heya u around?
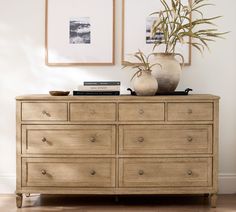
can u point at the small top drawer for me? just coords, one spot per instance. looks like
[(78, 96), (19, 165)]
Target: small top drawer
[(44, 111), (141, 112), (190, 111), (92, 112)]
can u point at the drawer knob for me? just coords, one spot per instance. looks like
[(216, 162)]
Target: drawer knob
[(44, 112), (141, 172), (44, 172), (92, 172), (190, 111), (190, 139), (190, 172), (141, 111), (92, 139), (141, 139), (92, 112), (44, 139)]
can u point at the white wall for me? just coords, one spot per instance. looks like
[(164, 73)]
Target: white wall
[(23, 71)]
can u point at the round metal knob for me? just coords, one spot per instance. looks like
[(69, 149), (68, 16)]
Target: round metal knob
[(92, 139), (190, 139), (190, 172), (190, 111), (141, 172), (92, 172), (141, 139), (92, 112), (44, 112), (44, 172), (141, 111), (44, 139)]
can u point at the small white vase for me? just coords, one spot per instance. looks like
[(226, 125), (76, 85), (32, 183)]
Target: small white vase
[(145, 84), (168, 73)]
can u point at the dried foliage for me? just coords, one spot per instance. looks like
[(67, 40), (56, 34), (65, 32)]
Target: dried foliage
[(175, 24), (143, 65)]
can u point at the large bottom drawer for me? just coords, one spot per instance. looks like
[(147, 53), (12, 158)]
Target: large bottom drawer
[(165, 172), (74, 172)]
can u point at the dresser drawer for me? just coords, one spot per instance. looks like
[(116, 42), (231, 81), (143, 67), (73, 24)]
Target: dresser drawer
[(44, 111), (141, 112), (164, 172), (68, 139), (165, 139), (92, 112), (73, 172), (190, 111)]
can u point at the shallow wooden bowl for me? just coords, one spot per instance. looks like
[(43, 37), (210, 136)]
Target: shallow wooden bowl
[(59, 93)]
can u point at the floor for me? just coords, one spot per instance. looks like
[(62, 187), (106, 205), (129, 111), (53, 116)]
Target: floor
[(51, 203)]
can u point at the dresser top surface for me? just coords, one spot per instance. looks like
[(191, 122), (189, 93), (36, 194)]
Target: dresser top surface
[(114, 98)]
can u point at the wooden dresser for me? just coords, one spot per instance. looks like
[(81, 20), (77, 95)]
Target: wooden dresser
[(117, 145)]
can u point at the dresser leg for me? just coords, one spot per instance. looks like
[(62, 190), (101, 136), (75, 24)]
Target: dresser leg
[(19, 199), (213, 200)]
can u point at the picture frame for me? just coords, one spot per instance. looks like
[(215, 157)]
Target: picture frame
[(75, 33), (134, 36)]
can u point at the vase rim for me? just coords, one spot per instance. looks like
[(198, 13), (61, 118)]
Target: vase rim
[(164, 54), (147, 71)]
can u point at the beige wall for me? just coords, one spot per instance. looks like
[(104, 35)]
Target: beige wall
[(23, 71)]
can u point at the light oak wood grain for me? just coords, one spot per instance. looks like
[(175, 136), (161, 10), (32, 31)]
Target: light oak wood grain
[(192, 97), (74, 172), (190, 111), (92, 112), (32, 111), (141, 112), (68, 139), (165, 139), (117, 145), (169, 172)]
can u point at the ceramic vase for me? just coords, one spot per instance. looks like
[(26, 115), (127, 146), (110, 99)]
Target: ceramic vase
[(168, 73), (145, 84)]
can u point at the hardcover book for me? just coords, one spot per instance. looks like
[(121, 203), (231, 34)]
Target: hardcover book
[(99, 88), (96, 93), (108, 83)]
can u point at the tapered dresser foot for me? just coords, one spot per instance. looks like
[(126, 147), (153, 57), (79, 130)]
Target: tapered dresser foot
[(213, 200), (19, 199)]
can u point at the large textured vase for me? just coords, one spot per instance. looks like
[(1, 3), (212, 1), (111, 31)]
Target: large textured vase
[(145, 84), (168, 73)]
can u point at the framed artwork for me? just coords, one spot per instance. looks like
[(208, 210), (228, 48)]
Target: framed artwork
[(137, 23), (80, 32)]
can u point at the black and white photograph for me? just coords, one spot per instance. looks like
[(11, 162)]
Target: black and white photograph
[(80, 31), (151, 39)]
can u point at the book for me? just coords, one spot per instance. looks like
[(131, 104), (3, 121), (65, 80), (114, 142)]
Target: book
[(99, 88), (96, 93), (107, 83)]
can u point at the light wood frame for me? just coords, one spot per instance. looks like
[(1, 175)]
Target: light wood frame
[(123, 62), (79, 63)]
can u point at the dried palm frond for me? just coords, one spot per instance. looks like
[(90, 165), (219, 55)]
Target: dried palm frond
[(143, 65), (175, 24)]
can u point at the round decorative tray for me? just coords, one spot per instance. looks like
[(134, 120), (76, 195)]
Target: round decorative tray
[(59, 93)]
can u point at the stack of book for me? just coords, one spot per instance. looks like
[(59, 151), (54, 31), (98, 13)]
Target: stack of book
[(111, 88)]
